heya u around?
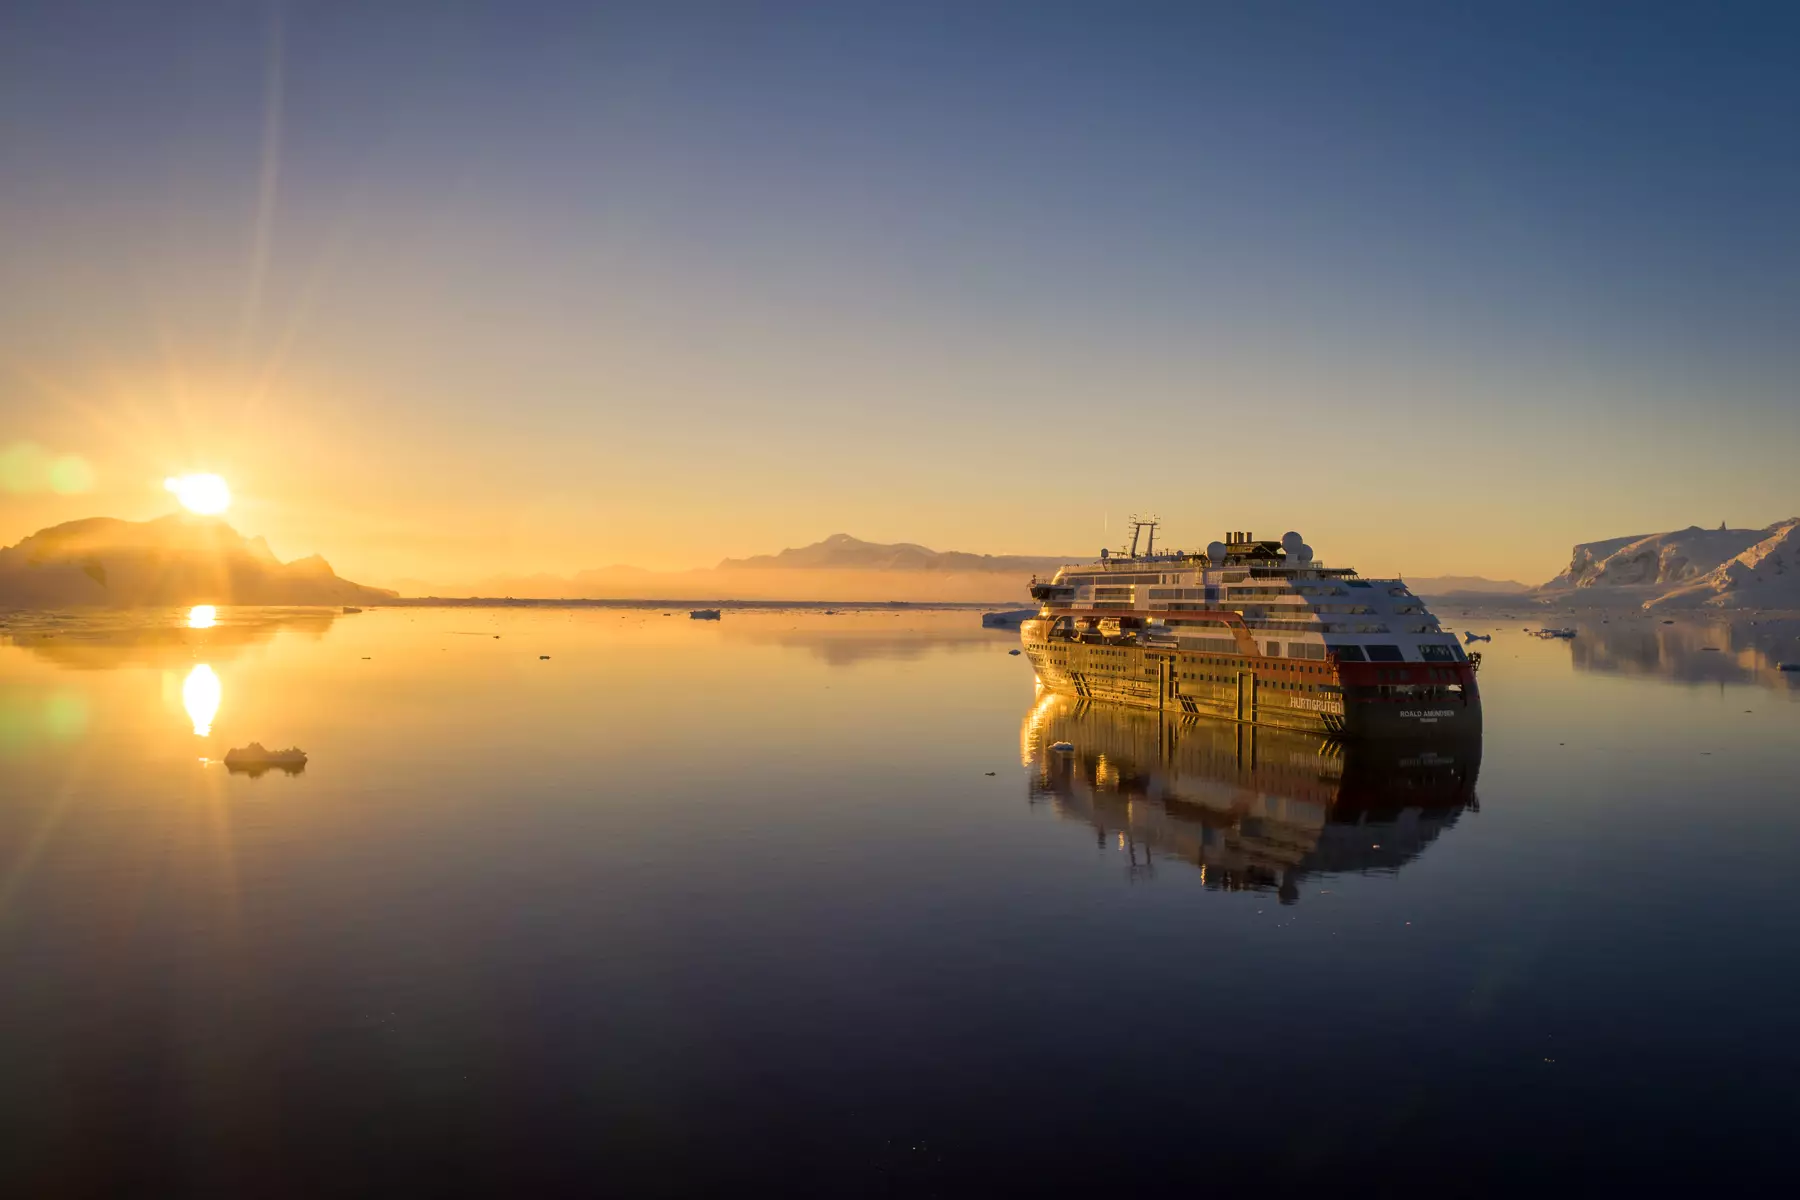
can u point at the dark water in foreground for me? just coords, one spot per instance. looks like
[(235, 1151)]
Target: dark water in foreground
[(691, 906)]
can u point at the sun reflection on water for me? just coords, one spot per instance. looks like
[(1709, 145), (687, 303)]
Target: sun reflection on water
[(200, 696), (202, 616)]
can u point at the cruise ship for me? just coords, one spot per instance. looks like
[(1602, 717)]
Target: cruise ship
[(1252, 631)]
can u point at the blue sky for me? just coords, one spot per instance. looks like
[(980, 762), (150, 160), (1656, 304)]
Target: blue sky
[(450, 288)]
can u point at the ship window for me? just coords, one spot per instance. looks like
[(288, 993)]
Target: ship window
[(1357, 582), (1385, 654), (1346, 653), (1437, 653)]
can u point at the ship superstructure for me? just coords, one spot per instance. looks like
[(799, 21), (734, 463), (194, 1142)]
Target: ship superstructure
[(1252, 631)]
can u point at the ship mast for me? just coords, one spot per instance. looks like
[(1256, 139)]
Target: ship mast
[(1138, 526)]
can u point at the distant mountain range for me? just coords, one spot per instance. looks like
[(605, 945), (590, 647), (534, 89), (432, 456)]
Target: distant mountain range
[(840, 567), (172, 560), (846, 567), (1459, 585), (1722, 567), (841, 552), (1692, 567), (202, 560)]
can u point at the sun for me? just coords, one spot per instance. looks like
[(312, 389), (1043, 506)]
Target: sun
[(205, 494)]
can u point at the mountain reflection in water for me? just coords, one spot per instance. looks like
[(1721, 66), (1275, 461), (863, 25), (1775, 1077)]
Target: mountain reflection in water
[(854, 636), (1254, 809), (104, 639), (1690, 651)]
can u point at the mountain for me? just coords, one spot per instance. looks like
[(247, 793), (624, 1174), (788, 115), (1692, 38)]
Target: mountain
[(1452, 585), (171, 560), (841, 552), (839, 568), (1719, 568)]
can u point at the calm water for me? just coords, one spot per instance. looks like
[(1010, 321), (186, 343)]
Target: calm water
[(806, 900)]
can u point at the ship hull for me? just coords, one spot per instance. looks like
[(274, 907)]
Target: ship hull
[(1250, 689)]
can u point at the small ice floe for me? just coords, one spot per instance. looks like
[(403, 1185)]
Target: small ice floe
[(1007, 619), (350, 608), (703, 614), (1476, 637), (1063, 747), (543, 658), (255, 759), (1012, 651)]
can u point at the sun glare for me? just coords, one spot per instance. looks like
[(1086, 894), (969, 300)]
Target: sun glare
[(200, 695), (205, 494), (202, 616)]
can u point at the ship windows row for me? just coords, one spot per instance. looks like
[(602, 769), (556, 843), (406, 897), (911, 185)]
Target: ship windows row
[(1441, 653), (1276, 685), (1367, 653), (1108, 578)]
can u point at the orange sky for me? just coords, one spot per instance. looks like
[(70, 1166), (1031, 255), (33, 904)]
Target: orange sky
[(324, 463)]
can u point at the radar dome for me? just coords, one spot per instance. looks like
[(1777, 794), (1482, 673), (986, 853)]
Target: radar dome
[(1291, 541), (1215, 551), (1305, 554)]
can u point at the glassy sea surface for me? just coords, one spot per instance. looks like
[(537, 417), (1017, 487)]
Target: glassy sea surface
[(619, 901)]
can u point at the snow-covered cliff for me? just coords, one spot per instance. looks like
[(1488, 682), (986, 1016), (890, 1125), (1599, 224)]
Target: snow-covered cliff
[(1727, 568), (1766, 575)]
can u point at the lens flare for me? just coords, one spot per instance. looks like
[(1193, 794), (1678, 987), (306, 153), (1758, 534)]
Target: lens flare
[(204, 494), (71, 475), (200, 696)]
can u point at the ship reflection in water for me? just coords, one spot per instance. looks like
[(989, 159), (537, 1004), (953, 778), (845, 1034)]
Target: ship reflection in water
[(1254, 808)]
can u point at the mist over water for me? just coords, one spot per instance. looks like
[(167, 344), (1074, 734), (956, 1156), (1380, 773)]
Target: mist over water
[(750, 886)]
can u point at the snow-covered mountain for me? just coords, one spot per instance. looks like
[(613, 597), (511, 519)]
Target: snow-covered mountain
[(171, 560), (1721, 568), (1767, 575)]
